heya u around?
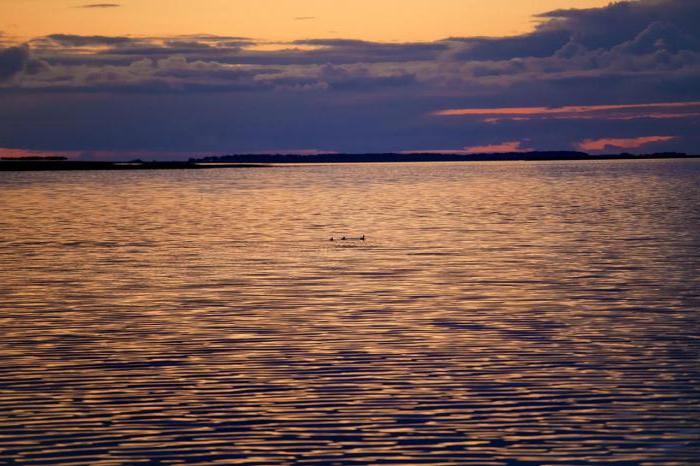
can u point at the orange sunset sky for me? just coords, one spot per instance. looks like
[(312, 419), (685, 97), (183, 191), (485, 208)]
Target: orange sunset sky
[(385, 20)]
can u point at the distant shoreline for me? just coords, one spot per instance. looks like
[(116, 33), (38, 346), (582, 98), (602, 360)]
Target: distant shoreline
[(432, 157), (79, 165), (269, 160)]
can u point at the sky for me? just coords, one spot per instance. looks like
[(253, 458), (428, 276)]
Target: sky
[(165, 79), (280, 20)]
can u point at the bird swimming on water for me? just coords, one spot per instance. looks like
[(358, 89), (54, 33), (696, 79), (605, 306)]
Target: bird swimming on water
[(345, 238)]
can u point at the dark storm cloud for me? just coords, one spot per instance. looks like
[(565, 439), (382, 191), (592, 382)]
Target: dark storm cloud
[(216, 93)]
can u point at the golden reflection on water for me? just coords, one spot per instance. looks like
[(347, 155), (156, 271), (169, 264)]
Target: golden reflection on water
[(498, 313)]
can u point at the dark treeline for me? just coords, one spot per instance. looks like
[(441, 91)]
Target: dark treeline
[(425, 157), (45, 164), (261, 160)]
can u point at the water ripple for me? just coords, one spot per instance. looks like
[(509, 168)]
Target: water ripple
[(498, 314)]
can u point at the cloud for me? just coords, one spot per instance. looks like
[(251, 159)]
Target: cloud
[(597, 112), (58, 49), (640, 26), (630, 69), (73, 40), (354, 79), (511, 146), (588, 45), (538, 44), (502, 147), (620, 22), (594, 145), (7, 152), (304, 18), (13, 60), (100, 5)]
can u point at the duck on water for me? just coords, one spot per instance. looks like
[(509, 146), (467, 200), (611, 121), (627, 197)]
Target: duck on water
[(348, 238)]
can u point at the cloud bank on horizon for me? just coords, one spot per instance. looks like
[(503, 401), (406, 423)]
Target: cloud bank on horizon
[(617, 78)]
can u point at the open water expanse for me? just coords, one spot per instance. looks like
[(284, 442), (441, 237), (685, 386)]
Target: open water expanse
[(497, 314)]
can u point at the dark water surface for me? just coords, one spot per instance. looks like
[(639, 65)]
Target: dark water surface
[(498, 314)]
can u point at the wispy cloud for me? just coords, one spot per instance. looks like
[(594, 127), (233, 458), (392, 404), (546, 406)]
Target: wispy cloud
[(304, 18), (511, 146), (601, 112), (498, 148), (100, 5), (595, 145), (7, 152), (73, 40)]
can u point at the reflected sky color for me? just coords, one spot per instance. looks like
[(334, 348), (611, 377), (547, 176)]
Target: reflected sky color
[(498, 313)]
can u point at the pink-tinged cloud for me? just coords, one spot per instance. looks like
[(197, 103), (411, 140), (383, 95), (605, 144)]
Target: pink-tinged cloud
[(593, 145), (510, 146), (665, 110), (7, 152)]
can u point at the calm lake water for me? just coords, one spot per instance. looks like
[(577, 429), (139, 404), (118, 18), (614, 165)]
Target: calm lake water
[(497, 314)]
